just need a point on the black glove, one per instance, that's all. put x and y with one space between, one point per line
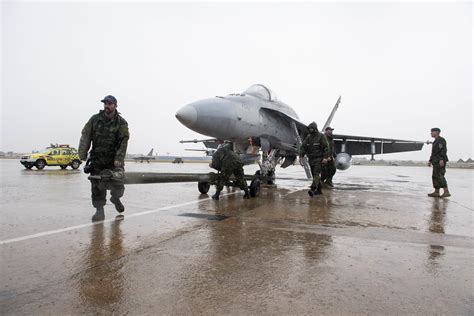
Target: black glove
88 168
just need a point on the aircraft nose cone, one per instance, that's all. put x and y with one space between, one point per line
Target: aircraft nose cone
187 115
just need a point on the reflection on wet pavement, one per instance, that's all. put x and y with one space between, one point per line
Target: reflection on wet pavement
101 280
372 245
437 223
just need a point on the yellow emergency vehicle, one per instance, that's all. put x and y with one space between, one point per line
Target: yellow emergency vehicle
55 155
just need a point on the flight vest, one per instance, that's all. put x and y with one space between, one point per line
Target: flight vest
225 159
313 146
105 137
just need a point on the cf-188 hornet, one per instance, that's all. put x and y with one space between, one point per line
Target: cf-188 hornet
256 120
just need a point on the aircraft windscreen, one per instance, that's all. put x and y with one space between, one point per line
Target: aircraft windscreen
261 92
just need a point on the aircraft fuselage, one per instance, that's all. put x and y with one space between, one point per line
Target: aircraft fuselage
238 117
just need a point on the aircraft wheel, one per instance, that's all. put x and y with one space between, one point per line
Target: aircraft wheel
204 187
271 174
75 164
254 187
40 164
63 166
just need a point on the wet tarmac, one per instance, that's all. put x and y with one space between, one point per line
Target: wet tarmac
376 244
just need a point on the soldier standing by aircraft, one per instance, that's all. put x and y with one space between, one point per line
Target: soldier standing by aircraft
438 159
316 147
329 169
228 163
108 132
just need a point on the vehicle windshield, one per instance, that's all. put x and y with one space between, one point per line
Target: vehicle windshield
48 150
261 92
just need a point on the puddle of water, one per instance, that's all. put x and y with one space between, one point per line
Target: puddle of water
205 216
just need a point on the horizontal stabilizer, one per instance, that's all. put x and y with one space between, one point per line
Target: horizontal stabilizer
363 145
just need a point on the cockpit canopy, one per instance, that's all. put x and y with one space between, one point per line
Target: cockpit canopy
261 92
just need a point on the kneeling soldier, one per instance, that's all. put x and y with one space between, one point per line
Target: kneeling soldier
228 163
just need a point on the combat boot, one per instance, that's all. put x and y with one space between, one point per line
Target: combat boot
99 214
216 195
247 194
118 204
318 191
446 193
435 193
311 192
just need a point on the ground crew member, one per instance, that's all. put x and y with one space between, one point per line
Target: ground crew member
316 148
228 163
438 159
108 133
329 169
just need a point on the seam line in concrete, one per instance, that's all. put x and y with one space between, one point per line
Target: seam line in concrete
66 229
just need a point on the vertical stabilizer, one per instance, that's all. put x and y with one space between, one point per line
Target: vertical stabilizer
331 116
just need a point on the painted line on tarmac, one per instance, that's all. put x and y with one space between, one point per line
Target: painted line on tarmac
66 229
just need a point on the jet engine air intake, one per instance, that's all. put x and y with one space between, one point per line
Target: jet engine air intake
343 161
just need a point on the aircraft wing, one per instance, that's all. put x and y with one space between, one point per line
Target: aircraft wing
363 145
302 128
355 145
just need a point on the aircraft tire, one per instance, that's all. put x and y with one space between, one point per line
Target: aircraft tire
254 187
204 187
271 175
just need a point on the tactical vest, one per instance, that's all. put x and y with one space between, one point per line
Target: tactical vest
224 158
439 150
105 137
217 159
313 147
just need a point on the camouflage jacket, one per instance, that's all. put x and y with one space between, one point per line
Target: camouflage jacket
109 138
315 146
224 158
439 150
332 149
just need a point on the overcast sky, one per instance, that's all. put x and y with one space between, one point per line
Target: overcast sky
400 68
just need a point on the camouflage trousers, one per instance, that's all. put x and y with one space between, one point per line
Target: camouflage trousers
439 181
99 189
316 167
235 169
328 170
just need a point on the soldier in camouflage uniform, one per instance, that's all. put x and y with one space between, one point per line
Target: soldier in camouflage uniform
108 133
315 146
329 169
228 163
438 159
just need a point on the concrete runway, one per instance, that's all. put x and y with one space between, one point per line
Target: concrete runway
374 245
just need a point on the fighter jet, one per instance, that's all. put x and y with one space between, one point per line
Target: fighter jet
146 158
256 120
